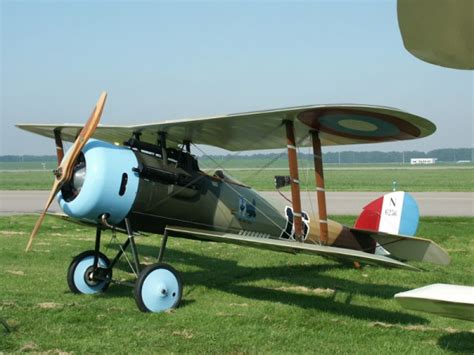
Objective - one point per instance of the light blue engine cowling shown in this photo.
(109, 185)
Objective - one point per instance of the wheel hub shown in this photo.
(89, 276)
(162, 290)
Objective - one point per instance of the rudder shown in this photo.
(394, 213)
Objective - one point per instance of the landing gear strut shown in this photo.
(158, 287)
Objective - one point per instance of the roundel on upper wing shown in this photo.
(359, 124)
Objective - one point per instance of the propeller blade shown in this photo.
(64, 171)
(54, 191)
(87, 131)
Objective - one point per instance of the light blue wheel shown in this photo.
(158, 288)
(79, 276)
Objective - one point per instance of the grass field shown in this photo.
(366, 179)
(236, 300)
(345, 178)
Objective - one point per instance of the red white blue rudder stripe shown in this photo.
(394, 213)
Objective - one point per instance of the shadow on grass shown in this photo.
(462, 342)
(328, 305)
(228, 276)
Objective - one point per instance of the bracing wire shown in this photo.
(240, 195)
(307, 189)
(277, 157)
(219, 166)
(114, 238)
(306, 170)
(258, 171)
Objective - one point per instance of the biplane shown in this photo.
(146, 179)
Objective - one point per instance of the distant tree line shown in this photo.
(27, 158)
(352, 157)
(346, 157)
(442, 155)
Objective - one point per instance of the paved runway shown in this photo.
(351, 203)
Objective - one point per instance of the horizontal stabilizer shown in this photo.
(452, 301)
(286, 246)
(409, 248)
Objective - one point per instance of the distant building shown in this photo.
(415, 161)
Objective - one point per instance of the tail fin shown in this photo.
(394, 213)
(391, 221)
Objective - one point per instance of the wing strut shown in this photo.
(320, 191)
(59, 145)
(295, 182)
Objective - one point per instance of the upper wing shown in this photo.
(286, 246)
(337, 124)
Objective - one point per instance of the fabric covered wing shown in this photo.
(270, 244)
(286, 246)
(454, 301)
(337, 124)
(439, 32)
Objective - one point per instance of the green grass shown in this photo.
(26, 180)
(236, 300)
(370, 180)
(282, 162)
(354, 178)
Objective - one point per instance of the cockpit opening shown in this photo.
(226, 177)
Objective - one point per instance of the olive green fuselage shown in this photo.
(214, 203)
(170, 195)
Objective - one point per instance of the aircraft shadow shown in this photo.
(228, 276)
(462, 342)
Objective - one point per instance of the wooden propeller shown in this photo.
(64, 171)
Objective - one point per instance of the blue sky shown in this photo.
(168, 60)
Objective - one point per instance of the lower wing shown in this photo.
(270, 244)
(286, 246)
(452, 301)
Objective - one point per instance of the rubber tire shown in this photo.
(72, 269)
(138, 290)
